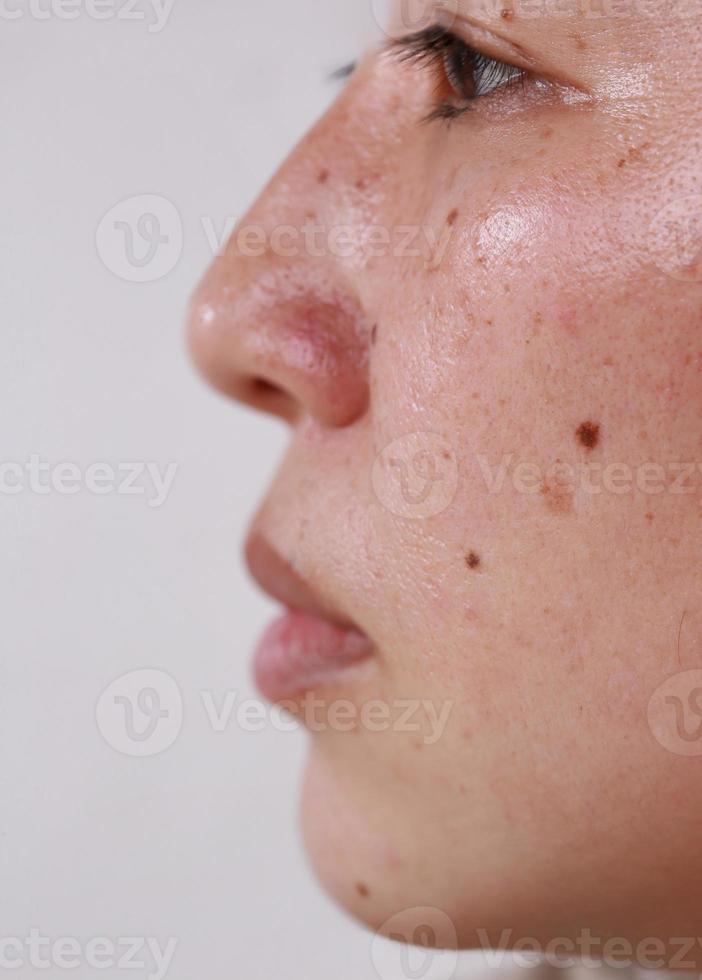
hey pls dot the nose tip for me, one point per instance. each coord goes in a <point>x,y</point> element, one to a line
<point>288,340</point>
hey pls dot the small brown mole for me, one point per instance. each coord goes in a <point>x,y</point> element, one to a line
<point>588,434</point>
<point>374,334</point>
<point>322,176</point>
<point>473,560</point>
<point>451,217</point>
<point>362,889</point>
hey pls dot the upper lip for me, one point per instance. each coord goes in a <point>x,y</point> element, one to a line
<point>276,576</point>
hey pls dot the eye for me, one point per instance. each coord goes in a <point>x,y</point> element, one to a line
<point>464,74</point>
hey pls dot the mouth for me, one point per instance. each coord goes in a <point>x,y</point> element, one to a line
<point>310,645</point>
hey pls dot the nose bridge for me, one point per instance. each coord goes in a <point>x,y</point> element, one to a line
<point>278,321</point>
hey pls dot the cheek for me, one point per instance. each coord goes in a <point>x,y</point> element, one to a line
<point>535,341</point>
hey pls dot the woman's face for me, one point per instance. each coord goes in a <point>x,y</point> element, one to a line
<point>475,292</point>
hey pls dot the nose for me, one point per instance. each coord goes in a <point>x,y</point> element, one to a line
<point>277,322</point>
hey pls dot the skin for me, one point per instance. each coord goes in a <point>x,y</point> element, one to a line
<point>559,327</point>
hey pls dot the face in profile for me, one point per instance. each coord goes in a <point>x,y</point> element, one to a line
<point>474,293</point>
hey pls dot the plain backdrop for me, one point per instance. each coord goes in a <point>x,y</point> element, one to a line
<point>197,842</point>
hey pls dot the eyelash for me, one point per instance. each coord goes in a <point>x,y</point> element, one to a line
<point>457,64</point>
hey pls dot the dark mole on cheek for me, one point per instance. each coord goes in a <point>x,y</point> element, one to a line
<point>362,889</point>
<point>588,434</point>
<point>472,560</point>
<point>323,177</point>
<point>451,217</point>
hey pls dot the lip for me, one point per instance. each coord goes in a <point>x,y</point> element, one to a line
<point>311,644</point>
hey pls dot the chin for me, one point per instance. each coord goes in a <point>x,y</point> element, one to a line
<point>373,863</point>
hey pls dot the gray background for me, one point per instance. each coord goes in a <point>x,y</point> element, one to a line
<point>198,842</point>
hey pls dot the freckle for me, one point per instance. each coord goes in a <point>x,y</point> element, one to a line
<point>588,434</point>
<point>323,177</point>
<point>473,560</point>
<point>451,217</point>
<point>546,133</point>
<point>360,184</point>
<point>558,496</point>
<point>580,43</point>
<point>374,333</point>
<point>462,789</point>
<point>621,163</point>
<point>362,889</point>
<point>418,744</point>
<point>488,323</point>
<point>649,517</point>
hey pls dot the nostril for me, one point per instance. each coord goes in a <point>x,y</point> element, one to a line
<point>264,389</point>
<point>269,397</point>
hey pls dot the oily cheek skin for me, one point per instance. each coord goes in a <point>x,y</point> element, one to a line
<point>546,608</point>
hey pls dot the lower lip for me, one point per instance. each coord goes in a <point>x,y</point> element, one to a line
<point>298,653</point>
